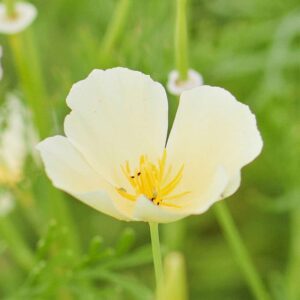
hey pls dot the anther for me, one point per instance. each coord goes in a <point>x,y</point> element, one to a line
<point>154,183</point>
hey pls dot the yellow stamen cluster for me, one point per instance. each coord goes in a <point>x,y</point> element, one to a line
<point>152,181</point>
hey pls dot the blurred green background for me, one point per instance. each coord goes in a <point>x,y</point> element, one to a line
<point>251,48</point>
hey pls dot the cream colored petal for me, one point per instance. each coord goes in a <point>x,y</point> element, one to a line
<point>68,171</point>
<point>101,201</point>
<point>232,186</point>
<point>146,211</point>
<point>117,115</point>
<point>211,129</point>
<point>206,193</point>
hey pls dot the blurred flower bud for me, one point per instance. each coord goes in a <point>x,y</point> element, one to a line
<point>7,203</point>
<point>175,287</point>
<point>1,70</point>
<point>17,139</point>
<point>24,16</point>
<point>176,86</point>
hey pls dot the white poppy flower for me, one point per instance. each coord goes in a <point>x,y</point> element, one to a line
<point>25,15</point>
<point>7,203</point>
<point>177,87</point>
<point>116,156</point>
<point>15,140</point>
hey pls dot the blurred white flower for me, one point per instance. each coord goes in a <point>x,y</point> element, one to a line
<point>25,15</point>
<point>1,69</point>
<point>7,203</point>
<point>116,156</point>
<point>16,140</point>
<point>177,87</point>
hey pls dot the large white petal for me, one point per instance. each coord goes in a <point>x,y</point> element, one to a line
<point>212,130</point>
<point>69,171</point>
<point>146,211</point>
<point>101,201</point>
<point>117,115</point>
<point>233,185</point>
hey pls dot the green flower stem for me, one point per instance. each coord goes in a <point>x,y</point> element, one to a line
<point>114,29</point>
<point>240,252</point>
<point>17,246</point>
<point>174,233</point>
<point>181,39</point>
<point>293,274</point>
<point>157,260</point>
<point>27,64</point>
<point>10,7</point>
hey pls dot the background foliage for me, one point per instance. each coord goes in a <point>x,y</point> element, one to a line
<point>249,47</point>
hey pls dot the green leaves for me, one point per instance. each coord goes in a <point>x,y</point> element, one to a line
<point>102,270</point>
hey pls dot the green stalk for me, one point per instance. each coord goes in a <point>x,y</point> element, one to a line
<point>114,29</point>
<point>157,260</point>
<point>10,8</point>
<point>174,233</point>
<point>240,252</point>
<point>17,246</point>
<point>26,60</point>
<point>181,39</point>
<point>293,288</point>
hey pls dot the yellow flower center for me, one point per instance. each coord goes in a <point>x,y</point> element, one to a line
<point>153,181</point>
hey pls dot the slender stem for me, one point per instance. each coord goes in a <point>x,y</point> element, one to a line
<point>26,60</point>
<point>293,274</point>
<point>17,246</point>
<point>240,252</point>
<point>10,7</point>
<point>181,39</point>
<point>174,233</point>
<point>157,260</point>
<point>114,29</point>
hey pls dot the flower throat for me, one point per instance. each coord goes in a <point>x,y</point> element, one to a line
<point>154,181</point>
